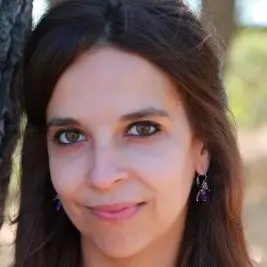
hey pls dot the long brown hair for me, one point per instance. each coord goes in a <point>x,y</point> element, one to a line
<point>169,35</point>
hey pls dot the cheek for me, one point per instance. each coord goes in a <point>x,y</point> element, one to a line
<point>165,165</point>
<point>168,172</point>
<point>68,170</point>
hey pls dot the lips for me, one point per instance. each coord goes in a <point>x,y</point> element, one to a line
<point>116,212</point>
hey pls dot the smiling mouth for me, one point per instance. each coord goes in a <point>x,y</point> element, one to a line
<point>116,212</point>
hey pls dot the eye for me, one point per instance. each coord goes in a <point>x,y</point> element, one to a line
<point>68,137</point>
<point>143,129</point>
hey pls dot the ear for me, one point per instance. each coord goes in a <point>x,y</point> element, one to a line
<point>202,159</point>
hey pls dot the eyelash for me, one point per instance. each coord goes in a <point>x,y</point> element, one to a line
<point>156,126</point>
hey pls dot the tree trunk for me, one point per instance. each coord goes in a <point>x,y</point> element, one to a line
<point>223,17</point>
<point>15,21</point>
<point>53,2</point>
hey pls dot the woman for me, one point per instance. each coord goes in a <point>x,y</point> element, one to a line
<point>128,156</point>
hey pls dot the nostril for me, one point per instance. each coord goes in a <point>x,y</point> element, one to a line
<point>141,203</point>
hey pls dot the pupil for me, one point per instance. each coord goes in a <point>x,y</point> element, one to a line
<point>72,137</point>
<point>143,129</point>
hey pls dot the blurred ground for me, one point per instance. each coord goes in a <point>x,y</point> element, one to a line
<point>253,145</point>
<point>254,151</point>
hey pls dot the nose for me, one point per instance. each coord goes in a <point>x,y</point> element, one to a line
<point>107,169</point>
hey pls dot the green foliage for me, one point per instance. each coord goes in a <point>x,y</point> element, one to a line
<point>246,77</point>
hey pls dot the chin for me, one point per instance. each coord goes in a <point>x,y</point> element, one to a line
<point>121,246</point>
<point>120,252</point>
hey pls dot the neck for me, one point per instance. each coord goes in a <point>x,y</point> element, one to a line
<point>161,253</point>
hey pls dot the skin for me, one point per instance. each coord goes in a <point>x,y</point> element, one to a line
<point>105,93</point>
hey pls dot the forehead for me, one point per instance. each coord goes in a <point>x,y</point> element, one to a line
<point>108,82</point>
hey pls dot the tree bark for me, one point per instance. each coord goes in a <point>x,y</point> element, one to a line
<point>15,22</point>
<point>223,16</point>
<point>53,2</point>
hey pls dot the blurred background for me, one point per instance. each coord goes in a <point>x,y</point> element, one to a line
<point>242,25</point>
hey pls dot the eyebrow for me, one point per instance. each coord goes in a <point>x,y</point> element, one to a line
<point>137,115</point>
<point>143,113</point>
<point>61,122</point>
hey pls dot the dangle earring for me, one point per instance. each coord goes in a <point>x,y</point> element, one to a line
<point>57,203</point>
<point>203,194</point>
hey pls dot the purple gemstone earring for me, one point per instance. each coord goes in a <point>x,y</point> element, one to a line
<point>57,203</point>
<point>203,194</point>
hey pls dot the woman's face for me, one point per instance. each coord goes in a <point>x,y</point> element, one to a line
<point>121,152</point>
